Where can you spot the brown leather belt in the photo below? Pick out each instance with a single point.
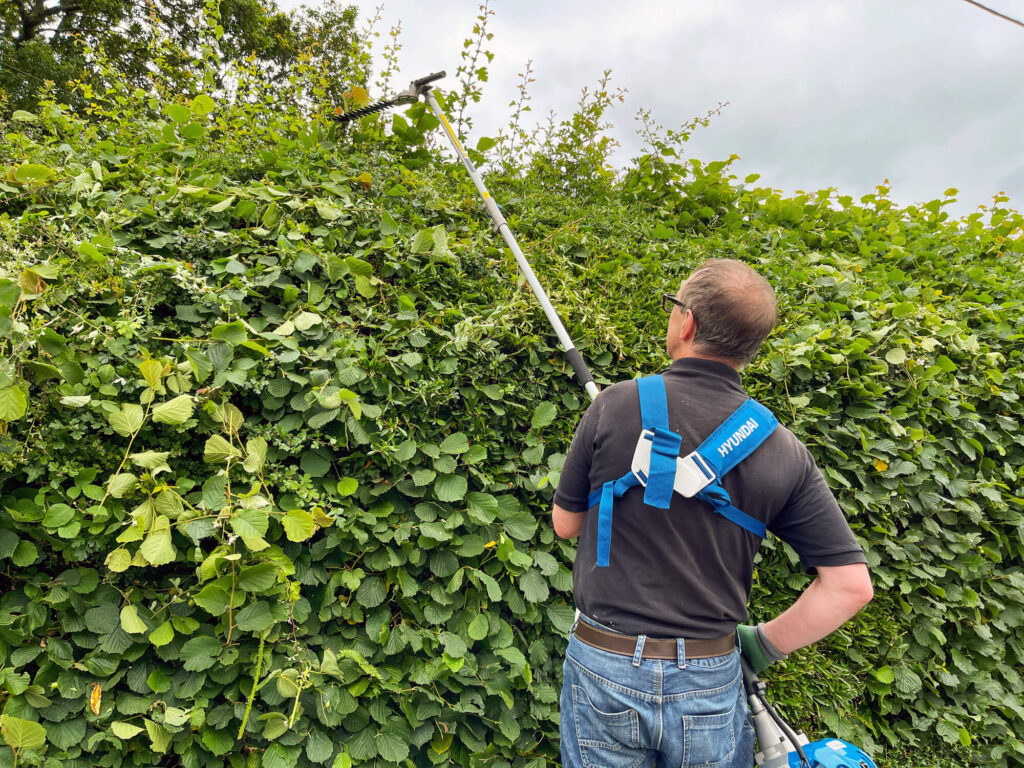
(654, 647)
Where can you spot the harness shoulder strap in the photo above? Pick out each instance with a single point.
(735, 439)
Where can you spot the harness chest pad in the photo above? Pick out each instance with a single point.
(658, 467)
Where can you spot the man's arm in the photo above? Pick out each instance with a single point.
(568, 525)
(830, 601)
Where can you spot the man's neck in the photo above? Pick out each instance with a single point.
(689, 353)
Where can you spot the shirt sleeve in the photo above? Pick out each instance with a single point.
(813, 524)
(574, 482)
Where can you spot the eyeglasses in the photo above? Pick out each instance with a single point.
(669, 301)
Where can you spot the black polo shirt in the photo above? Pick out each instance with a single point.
(686, 571)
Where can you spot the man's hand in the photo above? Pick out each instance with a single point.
(757, 648)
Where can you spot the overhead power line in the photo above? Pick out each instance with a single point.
(996, 13)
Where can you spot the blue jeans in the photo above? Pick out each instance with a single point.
(625, 712)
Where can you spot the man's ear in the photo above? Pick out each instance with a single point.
(688, 329)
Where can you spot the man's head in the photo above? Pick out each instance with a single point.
(727, 312)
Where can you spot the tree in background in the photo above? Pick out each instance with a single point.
(59, 40)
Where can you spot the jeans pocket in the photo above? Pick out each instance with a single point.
(606, 739)
(709, 741)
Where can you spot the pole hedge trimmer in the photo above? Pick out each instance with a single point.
(779, 746)
(422, 87)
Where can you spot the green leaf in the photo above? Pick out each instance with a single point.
(22, 734)
(25, 554)
(522, 525)
(315, 464)
(176, 411)
(543, 415)
(371, 592)
(250, 523)
(33, 173)
(255, 617)
(423, 241)
(257, 578)
(213, 599)
(298, 524)
(119, 560)
(661, 232)
(347, 486)
(896, 356)
(150, 459)
(255, 455)
(13, 403)
(534, 586)
(561, 617)
(122, 484)
(202, 105)
(157, 548)
(279, 756)
(199, 653)
(233, 333)
(450, 487)
(159, 737)
(130, 621)
(392, 746)
(274, 724)
(482, 508)
(200, 363)
(152, 371)
(319, 747)
(213, 492)
(885, 674)
(218, 450)
(178, 114)
(127, 420)
(478, 627)
(219, 742)
(455, 443)
(162, 635)
(125, 730)
(57, 515)
(327, 211)
(76, 401)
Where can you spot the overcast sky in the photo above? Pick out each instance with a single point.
(823, 93)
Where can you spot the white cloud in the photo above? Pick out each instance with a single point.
(926, 93)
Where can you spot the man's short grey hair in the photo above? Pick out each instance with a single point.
(734, 307)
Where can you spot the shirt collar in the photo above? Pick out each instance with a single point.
(710, 367)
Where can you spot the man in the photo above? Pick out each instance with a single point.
(630, 697)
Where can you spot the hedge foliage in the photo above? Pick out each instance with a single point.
(280, 428)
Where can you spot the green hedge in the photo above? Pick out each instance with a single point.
(280, 428)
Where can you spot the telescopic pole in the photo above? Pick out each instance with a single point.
(575, 358)
(423, 88)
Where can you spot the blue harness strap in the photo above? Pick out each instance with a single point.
(664, 445)
(735, 439)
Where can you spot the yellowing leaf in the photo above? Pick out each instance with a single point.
(357, 96)
(880, 465)
(96, 698)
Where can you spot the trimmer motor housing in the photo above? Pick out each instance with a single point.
(825, 753)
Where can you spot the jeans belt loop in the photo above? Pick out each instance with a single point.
(681, 653)
(638, 654)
